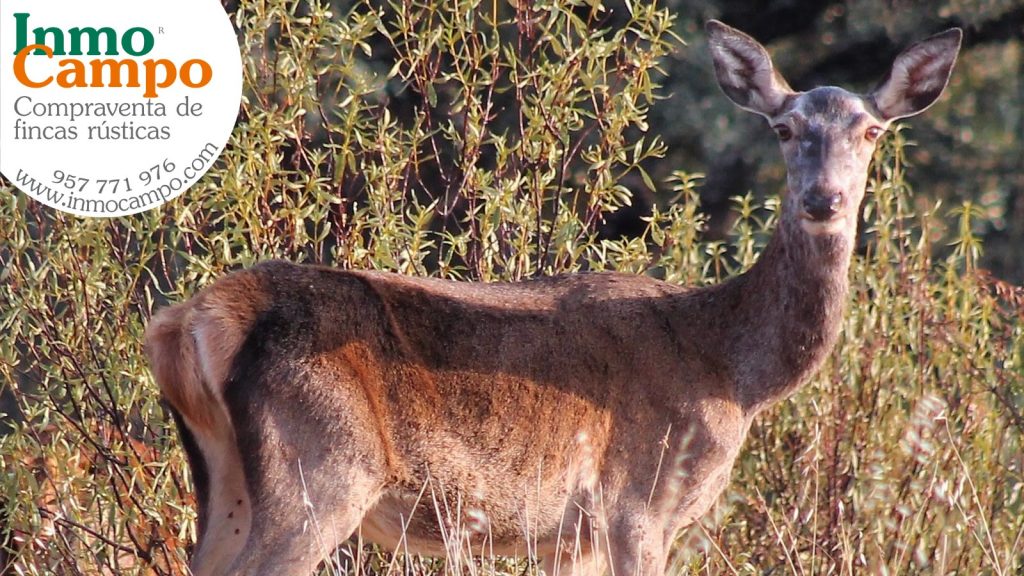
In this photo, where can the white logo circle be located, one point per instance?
(112, 108)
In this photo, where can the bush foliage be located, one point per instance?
(903, 455)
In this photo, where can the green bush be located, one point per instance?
(903, 454)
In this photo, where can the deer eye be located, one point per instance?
(873, 133)
(783, 131)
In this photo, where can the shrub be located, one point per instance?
(530, 132)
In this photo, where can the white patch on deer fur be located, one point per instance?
(815, 228)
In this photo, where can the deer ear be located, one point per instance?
(745, 71)
(918, 76)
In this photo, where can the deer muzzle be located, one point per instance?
(821, 205)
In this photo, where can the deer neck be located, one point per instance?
(792, 301)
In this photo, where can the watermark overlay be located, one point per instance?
(115, 107)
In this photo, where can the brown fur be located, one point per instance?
(191, 345)
(586, 419)
(171, 349)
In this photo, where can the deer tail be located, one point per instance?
(192, 348)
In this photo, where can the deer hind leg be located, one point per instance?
(225, 507)
(313, 463)
(294, 544)
(300, 522)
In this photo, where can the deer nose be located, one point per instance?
(822, 205)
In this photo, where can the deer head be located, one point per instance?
(828, 134)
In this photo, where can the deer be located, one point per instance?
(584, 419)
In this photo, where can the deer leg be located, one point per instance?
(225, 512)
(298, 519)
(579, 552)
(311, 475)
(582, 563)
(644, 558)
(637, 548)
(297, 545)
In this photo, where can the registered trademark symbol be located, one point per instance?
(160, 30)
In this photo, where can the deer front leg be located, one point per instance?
(637, 546)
